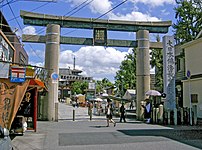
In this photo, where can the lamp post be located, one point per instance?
(190, 107)
(122, 86)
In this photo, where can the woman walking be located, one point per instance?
(109, 112)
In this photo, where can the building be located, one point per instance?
(68, 76)
(18, 86)
(192, 94)
(180, 74)
(16, 52)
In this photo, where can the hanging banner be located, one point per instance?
(17, 74)
(11, 95)
(4, 67)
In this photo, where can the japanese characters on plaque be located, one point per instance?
(169, 72)
(100, 36)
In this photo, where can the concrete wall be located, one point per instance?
(193, 62)
(195, 88)
(193, 55)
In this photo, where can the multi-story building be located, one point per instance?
(180, 74)
(192, 85)
(67, 77)
(14, 51)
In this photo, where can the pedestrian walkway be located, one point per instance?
(86, 134)
(81, 113)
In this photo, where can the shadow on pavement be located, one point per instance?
(98, 126)
(189, 137)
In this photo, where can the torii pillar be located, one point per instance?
(142, 68)
(51, 63)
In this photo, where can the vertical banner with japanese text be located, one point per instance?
(11, 95)
(169, 72)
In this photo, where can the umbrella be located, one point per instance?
(153, 93)
(98, 99)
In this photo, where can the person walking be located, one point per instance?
(109, 112)
(147, 111)
(122, 111)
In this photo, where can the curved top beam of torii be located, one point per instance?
(38, 19)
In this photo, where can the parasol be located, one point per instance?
(153, 93)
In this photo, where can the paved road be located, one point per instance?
(83, 134)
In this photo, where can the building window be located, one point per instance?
(178, 64)
(194, 98)
(22, 59)
(6, 52)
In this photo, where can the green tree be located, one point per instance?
(126, 76)
(79, 87)
(102, 85)
(157, 63)
(189, 20)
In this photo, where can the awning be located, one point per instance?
(38, 83)
(117, 99)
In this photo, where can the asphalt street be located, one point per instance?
(86, 134)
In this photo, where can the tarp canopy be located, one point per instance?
(122, 100)
(130, 94)
(37, 83)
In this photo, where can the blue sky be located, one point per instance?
(98, 62)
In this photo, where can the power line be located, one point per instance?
(31, 10)
(110, 10)
(76, 7)
(14, 15)
(81, 8)
(15, 18)
(41, 30)
(102, 14)
(12, 1)
(21, 28)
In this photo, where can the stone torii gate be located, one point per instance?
(52, 39)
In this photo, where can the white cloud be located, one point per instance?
(154, 3)
(105, 5)
(36, 53)
(134, 16)
(29, 30)
(100, 7)
(98, 62)
(96, 6)
(165, 12)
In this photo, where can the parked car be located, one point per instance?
(5, 141)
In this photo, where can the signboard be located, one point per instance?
(169, 72)
(17, 74)
(188, 74)
(54, 77)
(30, 72)
(4, 67)
(73, 78)
(91, 86)
(100, 36)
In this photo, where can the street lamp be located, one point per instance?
(122, 86)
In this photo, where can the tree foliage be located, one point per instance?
(189, 20)
(79, 87)
(126, 76)
(101, 85)
(157, 63)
